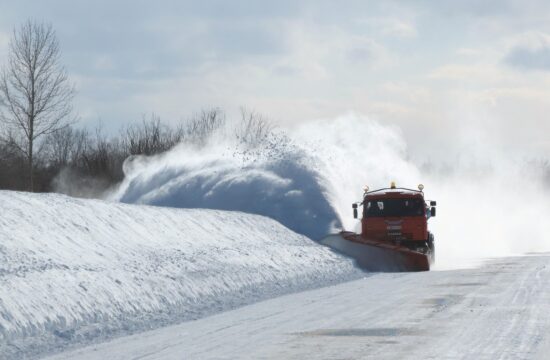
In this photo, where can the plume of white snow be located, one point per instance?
(308, 178)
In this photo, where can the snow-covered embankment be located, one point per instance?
(75, 271)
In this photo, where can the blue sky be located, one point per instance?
(432, 68)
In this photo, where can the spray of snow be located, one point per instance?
(306, 178)
(274, 178)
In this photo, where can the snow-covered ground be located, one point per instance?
(498, 311)
(76, 271)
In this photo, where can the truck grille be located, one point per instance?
(393, 228)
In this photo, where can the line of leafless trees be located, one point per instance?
(84, 162)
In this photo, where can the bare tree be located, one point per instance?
(202, 125)
(66, 146)
(34, 87)
(253, 128)
(150, 137)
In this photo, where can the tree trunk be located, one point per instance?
(31, 170)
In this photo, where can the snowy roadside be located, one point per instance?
(497, 311)
(77, 271)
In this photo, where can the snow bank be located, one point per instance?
(74, 271)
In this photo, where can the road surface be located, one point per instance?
(500, 310)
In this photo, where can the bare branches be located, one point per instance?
(203, 125)
(66, 146)
(34, 87)
(151, 137)
(254, 128)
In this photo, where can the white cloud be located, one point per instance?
(468, 52)
(304, 58)
(412, 92)
(395, 27)
(469, 72)
(493, 96)
(366, 52)
(104, 63)
(530, 39)
(390, 108)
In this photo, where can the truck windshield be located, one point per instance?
(394, 207)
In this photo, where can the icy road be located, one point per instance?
(498, 311)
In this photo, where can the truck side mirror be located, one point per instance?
(432, 212)
(354, 206)
(433, 203)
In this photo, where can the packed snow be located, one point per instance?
(497, 311)
(75, 271)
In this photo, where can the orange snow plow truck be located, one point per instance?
(394, 231)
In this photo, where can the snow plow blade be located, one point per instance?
(373, 255)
